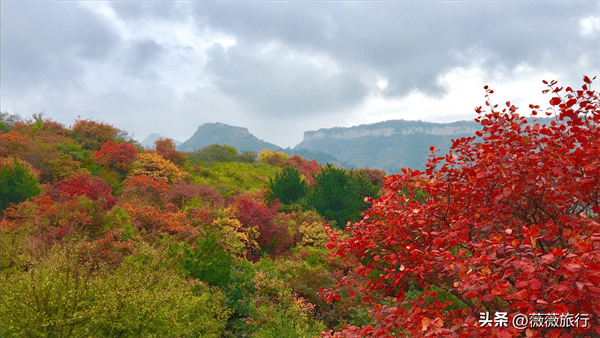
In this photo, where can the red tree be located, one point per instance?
(82, 184)
(273, 237)
(166, 149)
(506, 225)
(116, 155)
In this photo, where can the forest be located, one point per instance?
(101, 237)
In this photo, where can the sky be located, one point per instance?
(282, 68)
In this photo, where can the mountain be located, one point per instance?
(148, 142)
(220, 133)
(321, 157)
(389, 145)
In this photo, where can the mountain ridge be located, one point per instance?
(388, 145)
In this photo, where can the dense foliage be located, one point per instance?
(288, 186)
(17, 183)
(340, 195)
(102, 238)
(509, 224)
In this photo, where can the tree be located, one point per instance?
(153, 165)
(287, 186)
(118, 156)
(507, 225)
(338, 195)
(166, 149)
(91, 134)
(17, 183)
(82, 184)
(213, 153)
(208, 262)
(7, 120)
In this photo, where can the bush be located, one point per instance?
(59, 297)
(274, 237)
(183, 191)
(153, 165)
(287, 186)
(208, 262)
(339, 195)
(213, 153)
(17, 183)
(118, 156)
(166, 149)
(82, 184)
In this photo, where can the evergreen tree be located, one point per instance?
(338, 195)
(17, 184)
(288, 186)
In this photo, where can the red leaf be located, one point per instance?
(555, 101)
(471, 294)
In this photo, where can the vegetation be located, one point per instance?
(101, 238)
(17, 183)
(508, 224)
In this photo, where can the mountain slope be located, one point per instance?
(389, 145)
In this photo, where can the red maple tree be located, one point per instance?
(508, 223)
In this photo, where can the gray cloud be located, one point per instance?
(412, 43)
(142, 55)
(277, 87)
(44, 42)
(299, 64)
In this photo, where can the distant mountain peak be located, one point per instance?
(221, 133)
(148, 142)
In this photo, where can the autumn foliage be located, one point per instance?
(509, 224)
(166, 149)
(116, 155)
(82, 184)
(153, 165)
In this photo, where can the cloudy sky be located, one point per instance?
(282, 68)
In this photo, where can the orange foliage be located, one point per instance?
(166, 149)
(145, 190)
(13, 143)
(156, 222)
(91, 134)
(152, 164)
(10, 162)
(110, 249)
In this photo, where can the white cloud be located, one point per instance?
(521, 86)
(589, 25)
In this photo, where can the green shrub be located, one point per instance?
(288, 186)
(17, 184)
(208, 262)
(59, 297)
(338, 195)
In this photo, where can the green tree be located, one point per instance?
(17, 184)
(288, 186)
(213, 153)
(338, 195)
(208, 262)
